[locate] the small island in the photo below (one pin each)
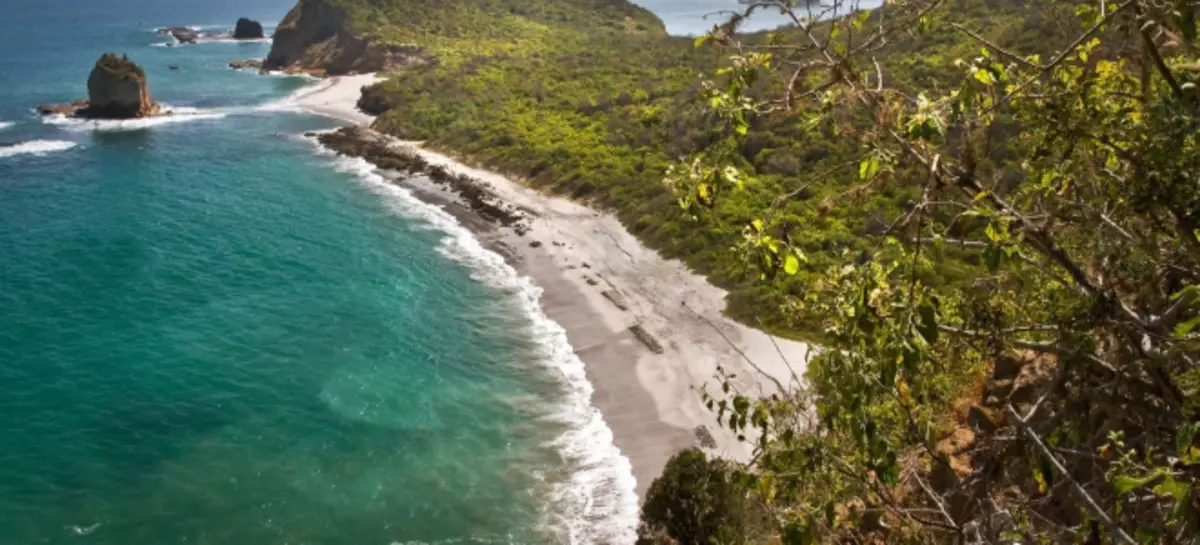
(117, 89)
(247, 29)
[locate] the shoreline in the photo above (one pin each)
(642, 325)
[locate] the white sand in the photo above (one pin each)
(336, 97)
(649, 400)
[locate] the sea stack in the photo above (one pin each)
(247, 29)
(117, 89)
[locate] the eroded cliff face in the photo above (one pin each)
(117, 89)
(316, 37)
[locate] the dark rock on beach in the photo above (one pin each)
(117, 89)
(247, 29)
(379, 151)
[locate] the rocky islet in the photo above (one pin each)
(117, 89)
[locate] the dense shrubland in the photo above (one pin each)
(1014, 357)
(986, 211)
(600, 116)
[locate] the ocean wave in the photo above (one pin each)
(6, 124)
(174, 114)
(36, 147)
(599, 503)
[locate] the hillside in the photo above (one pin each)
(602, 114)
(591, 99)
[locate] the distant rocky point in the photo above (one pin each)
(245, 29)
(117, 89)
(183, 35)
(248, 64)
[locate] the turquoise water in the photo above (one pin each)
(211, 333)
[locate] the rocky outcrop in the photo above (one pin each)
(247, 29)
(380, 151)
(183, 35)
(316, 37)
(248, 64)
(117, 89)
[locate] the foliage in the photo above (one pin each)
(120, 66)
(598, 111)
(1012, 355)
(696, 501)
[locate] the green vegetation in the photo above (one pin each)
(697, 500)
(599, 112)
(120, 66)
(1014, 356)
(986, 211)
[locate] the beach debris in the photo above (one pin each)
(617, 299)
(593, 282)
(535, 244)
(646, 339)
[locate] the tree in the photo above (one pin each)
(696, 501)
(1015, 359)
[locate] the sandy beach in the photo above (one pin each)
(603, 286)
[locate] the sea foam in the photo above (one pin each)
(5, 124)
(172, 114)
(36, 147)
(599, 503)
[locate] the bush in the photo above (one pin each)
(696, 501)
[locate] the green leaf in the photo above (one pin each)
(758, 225)
(1171, 487)
(1126, 483)
(1183, 329)
(791, 265)
(702, 40)
(868, 168)
(1185, 437)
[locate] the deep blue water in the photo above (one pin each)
(210, 333)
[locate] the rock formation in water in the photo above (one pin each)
(248, 30)
(183, 35)
(316, 37)
(117, 89)
(248, 64)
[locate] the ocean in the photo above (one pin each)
(213, 332)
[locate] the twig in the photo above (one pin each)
(1079, 492)
(736, 349)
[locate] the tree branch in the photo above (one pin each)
(1080, 494)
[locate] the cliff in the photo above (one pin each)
(117, 89)
(333, 37)
(316, 37)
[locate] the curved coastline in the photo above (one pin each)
(614, 298)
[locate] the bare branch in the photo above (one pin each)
(1080, 494)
